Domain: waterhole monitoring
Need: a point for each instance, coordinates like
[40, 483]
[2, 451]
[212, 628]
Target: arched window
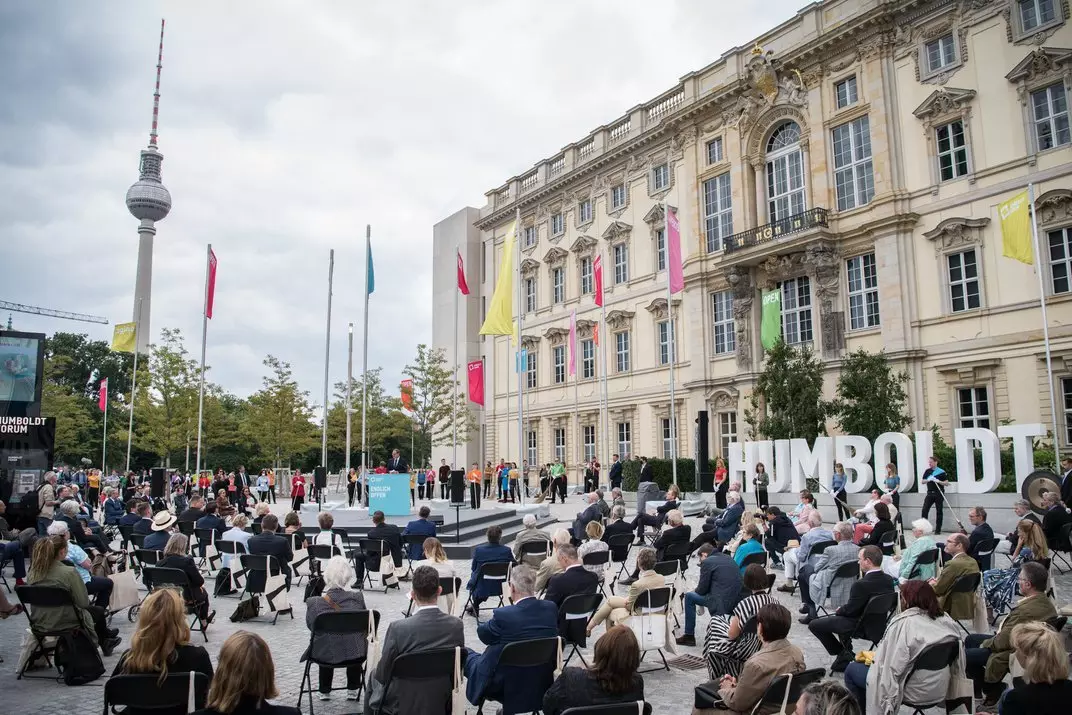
[785, 172]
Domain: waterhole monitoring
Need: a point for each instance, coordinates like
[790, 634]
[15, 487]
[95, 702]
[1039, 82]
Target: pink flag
[463, 286]
[476, 382]
[102, 396]
[673, 250]
[597, 269]
[210, 291]
[573, 342]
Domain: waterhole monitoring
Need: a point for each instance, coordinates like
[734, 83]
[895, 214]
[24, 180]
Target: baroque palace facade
[852, 157]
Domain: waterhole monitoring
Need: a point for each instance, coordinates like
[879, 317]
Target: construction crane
[34, 310]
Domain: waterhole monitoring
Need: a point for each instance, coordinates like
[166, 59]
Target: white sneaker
[351, 695]
[323, 696]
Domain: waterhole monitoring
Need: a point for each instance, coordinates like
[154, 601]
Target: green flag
[771, 322]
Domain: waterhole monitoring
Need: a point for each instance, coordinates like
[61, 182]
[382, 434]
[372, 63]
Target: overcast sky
[286, 127]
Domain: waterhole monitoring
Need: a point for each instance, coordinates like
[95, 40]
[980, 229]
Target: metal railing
[812, 218]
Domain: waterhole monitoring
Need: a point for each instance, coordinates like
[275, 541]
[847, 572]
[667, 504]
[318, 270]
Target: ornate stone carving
[556, 335]
[942, 101]
[585, 328]
[824, 263]
[555, 256]
[584, 244]
[723, 398]
[620, 319]
[780, 268]
[1041, 65]
[530, 342]
[766, 123]
[637, 166]
[744, 291]
[658, 308]
[542, 213]
[956, 232]
[530, 267]
[655, 216]
[768, 86]
[1032, 37]
[1054, 206]
[684, 139]
[617, 230]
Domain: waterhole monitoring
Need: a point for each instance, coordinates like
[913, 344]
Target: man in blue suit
[721, 529]
[485, 554]
[419, 527]
[527, 619]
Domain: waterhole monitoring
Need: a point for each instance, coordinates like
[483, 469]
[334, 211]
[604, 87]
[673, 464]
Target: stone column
[758, 169]
[744, 291]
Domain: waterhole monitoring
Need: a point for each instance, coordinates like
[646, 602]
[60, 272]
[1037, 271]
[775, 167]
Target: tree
[434, 387]
[871, 397]
[388, 427]
[85, 358]
[166, 405]
[77, 433]
[280, 416]
[791, 387]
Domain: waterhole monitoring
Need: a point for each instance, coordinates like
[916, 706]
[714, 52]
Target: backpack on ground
[77, 658]
[223, 583]
[314, 587]
[246, 610]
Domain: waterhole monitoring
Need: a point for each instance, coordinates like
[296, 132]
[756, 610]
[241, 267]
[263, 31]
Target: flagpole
[327, 363]
[104, 442]
[520, 327]
[364, 371]
[454, 389]
[1045, 323]
[204, 342]
[605, 396]
[133, 391]
[349, 391]
[670, 335]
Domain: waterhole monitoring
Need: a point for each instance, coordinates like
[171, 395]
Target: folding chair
[771, 578]
[412, 539]
[147, 693]
[983, 553]
[3, 579]
[1064, 544]
[670, 571]
[349, 624]
[319, 553]
[601, 559]
[968, 583]
[817, 549]
[638, 708]
[519, 660]
[232, 549]
[761, 558]
[254, 564]
[648, 621]
[421, 666]
[298, 544]
[205, 539]
[850, 570]
[681, 552]
[495, 572]
[882, 604]
[925, 559]
[573, 617]
[540, 549]
[782, 692]
[159, 577]
[619, 544]
[45, 640]
[374, 546]
[889, 539]
[187, 529]
[938, 656]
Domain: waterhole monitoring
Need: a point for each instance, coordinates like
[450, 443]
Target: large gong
[1037, 484]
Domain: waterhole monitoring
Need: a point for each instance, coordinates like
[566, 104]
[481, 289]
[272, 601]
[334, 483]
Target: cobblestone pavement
[668, 692]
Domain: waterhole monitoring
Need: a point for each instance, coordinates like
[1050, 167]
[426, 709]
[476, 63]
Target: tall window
[963, 281]
[845, 93]
[531, 443]
[668, 439]
[940, 53]
[558, 362]
[853, 172]
[617, 196]
[974, 407]
[665, 341]
[1066, 393]
[660, 177]
[718, 213]
[622, 359]
[558, 224]
[588, 359]
[785, 172]
[625, 438]
[587, 281]
[863, 292]
[584, 211]
[1035, 13]
[589, 433]
[558, 285]
[560, 444]
[722, 315]
[727, 431]
[621, 263]
[660, 250]
[530, 236]
[952, 150]
[714, 151]
[1049, 107]
[796, 311]
[530, 370]
[530, 295]
[1061, 259]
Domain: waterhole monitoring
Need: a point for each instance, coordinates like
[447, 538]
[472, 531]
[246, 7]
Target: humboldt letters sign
[791, 462]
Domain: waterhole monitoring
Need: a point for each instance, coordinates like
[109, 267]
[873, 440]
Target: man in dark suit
[591, 513]
[615, 474]
[132, 516]
[1066, 480]
[195, 511]
[144, 524]
[487, 553]
[268, 543]
[1054, 519]
[526, 619]
[385, 532]
[646, 472]
[573, 580]
[211, 520]
[980, 532]
[718, 589]
[780, 531]
[676, 532]
[655, 520]
[618, 524]
[721, 529]
[396, 465]
[835, 632]
[427, 629]
[419, 527]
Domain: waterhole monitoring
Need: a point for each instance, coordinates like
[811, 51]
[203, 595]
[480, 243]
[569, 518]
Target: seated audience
[113, 508]
[163, 527]
[291, 526]
[527, 619]
[1023, 511]
[729, 642]
[657, 519]
[827, 697]
[47, 568]
[590, 513]
[1046, 689]
[100, 587]
[211, 520]
[490, 552]
[435, 555]
[245, 679]
[960, 605]
[427, 629]
[794, 558]
[718, 589]
[68, 512]
[325, 537]
[529, 533]
[881, 687]
[618, 524]
[594, 545]
[328, 648]
[780, 531]
[881, 529]
[16, 549]
[981, 531]
[802, 519]
[988, 656]
[161, 644]
[835, 632]
[612, 678]
[751, 544]
[238, 533]
[617, 499]
[720, 530]
[676, 532]
[904, 567]
[268, 543]
[132, 517]
[422, 526]
[1054, 519]
[195, 511]
[144, 525]
[815, 578]
[262, 510]
[617, 608]
[604, 507]
[573, 580]
[391, 535]
[551, 565]
[998, 584]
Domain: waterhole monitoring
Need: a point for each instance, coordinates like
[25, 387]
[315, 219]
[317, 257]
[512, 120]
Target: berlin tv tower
[149, 202]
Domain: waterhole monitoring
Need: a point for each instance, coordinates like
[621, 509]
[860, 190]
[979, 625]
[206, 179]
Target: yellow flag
[500, 317]
[123, 338]
[1016, 228]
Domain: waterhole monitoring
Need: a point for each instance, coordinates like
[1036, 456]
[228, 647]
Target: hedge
[663, 473]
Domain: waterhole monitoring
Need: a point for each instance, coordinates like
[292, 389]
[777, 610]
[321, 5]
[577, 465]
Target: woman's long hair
[245, 668]
[45, 552]
[1041, 652]
[161, 629]
[433, 549]
[1032, 537]
[616, 659]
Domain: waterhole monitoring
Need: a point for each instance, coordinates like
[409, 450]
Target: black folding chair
[160, 577]
[348, 624]
[771, 578]
[531, 662]
[1064, 544]
[234, 550]
[415, 540]
[888, 541]
[124, 538]
[319, 553]
[421, 666]
[1057, 623]
[968, 583]
[374, 546]
[619, 544]
[205, 538]
[613, 709]
[938, 656]
[983, 553]
[600, 559]
[653, 602]
[298, 541]
[881, 604]
[573, 617]
[493, 572]
[33, 597]
[186, 528]
[147, 693]
[3, 580]
[849, 571]
[759, 557]
[781, 692]
[540, 549]
[927, 558]
[256, 564]
[681, 552]
[449, 587]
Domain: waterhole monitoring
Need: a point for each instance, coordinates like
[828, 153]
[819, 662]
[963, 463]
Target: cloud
[286, 128]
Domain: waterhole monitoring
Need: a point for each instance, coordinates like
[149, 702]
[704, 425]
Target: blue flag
[371, 278]
[521, 361]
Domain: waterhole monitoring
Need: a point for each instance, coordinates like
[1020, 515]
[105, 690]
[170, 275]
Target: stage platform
[460, 530]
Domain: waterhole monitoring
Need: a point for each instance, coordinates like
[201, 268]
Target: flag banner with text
[124, 337]
[463, 286]
[102, 399]
[1016, 228]
[406, 389]
[476, 382]
[673, 251]
[210, 291]
[500, 317]
[771, 320]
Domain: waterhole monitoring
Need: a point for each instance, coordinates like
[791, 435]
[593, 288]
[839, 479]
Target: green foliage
[791, 387]
[280, 417]
[871, 398]
[388, 427]
[662, 473]
[165, 411]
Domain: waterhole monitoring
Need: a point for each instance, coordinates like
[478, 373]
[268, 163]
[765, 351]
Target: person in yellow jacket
[474, 476]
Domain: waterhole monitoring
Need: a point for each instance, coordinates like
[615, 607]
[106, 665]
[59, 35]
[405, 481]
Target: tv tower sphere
[147, 198]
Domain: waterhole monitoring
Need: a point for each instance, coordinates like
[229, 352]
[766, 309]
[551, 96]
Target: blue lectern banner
[389, 493]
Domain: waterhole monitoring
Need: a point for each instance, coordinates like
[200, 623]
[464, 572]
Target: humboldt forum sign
[791, 462]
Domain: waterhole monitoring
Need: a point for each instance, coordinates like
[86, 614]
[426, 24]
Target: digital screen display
[18, 368]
